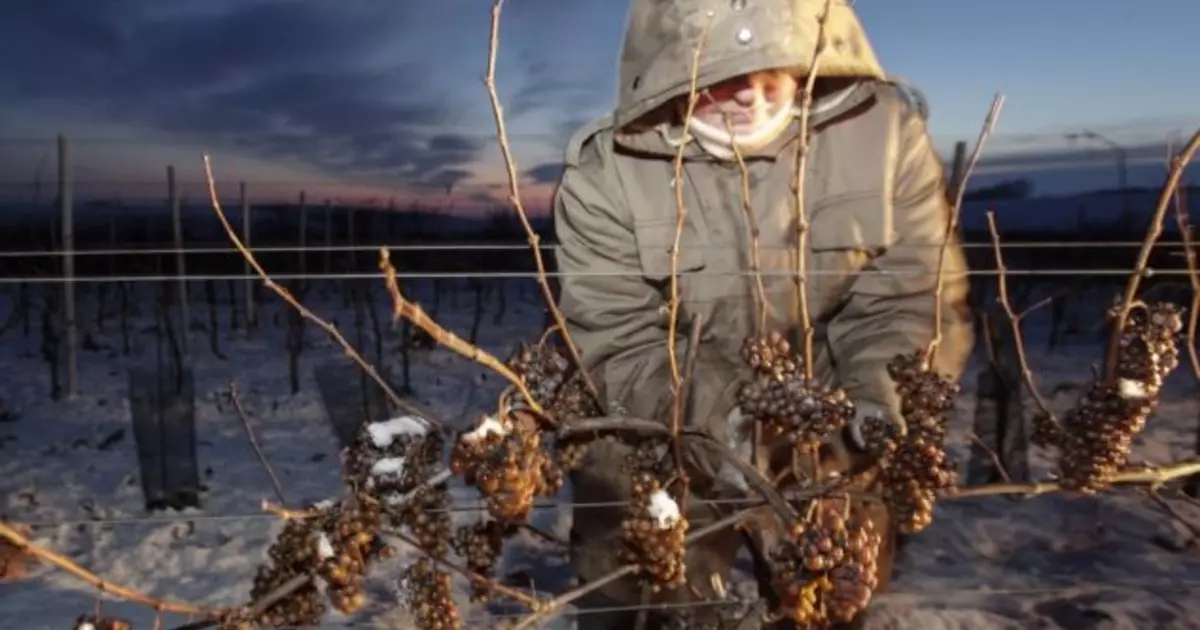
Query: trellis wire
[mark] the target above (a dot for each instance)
(468, 247)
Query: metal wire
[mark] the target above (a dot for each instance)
(939, 595)
(533, 275)
(161, 250)
(462, 507)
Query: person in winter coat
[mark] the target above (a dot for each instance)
(876, 202)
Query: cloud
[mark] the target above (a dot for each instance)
(305, 81)
(545, 173)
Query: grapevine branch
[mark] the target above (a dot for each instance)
(680, 406)
(677, 377)
(693, 98)
(802, 227)
(21, 542)
(241, 413)
(701, 439)
(751, 226)
(761, 303)
(514, 197)
(1189, 254)
(1153, 477)
(989, 126)
(407, 309)
(1178, 165)
(1014, 319)
(549, 608)
(291, 300)
(488, 583)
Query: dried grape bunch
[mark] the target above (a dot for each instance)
(789, 405)
(553, 382)
(429, 596)
(294, 553)
(542, 368)
(654, 534)
(574, 401)
(1047, 432)
(881, 437)
(100, 622)
(480, 545)
(345, 551)
(650, 457)
(508, 465)
(571, 454)
(391, 462)
(827, 569)
(770, 355)
(1098, 433)
(919, 466)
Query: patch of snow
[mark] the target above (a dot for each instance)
(1130, 389)
(387, 466)
(987, 563)
(663, 509)
(324, 547)
(488, 426)
(384, 433)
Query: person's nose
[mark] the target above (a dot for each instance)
(747, 94)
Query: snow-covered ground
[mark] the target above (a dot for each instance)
(70, 469)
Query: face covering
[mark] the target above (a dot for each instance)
(761, 109)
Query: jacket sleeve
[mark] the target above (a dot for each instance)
(890, 309)
(616, 317)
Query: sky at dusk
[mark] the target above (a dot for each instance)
(378, 98)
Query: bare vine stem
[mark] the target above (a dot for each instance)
(693, 98)
(514, 197)
(1178, 166)
(236, 401)
(291, 300)
(798, 183)
(1184, 223)
(404, 308)
(989, 126)
(1014, 320)
(557, 603)
(21, 542)
(760, 288)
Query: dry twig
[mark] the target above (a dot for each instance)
(1189, 253)
(262, 458)
(1178, 166)
(680, 207)
(760, 288)
(291, 300)
(557, 603)
(802, 227)
(407, 309)
(701, 439)
(514, 197)
(989, 125)
(1014, 320)
(20, 541)
(1153, 477)
(487, 583)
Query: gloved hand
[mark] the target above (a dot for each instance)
(739, 438)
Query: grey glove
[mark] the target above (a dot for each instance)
(739, 439)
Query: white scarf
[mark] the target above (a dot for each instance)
(719, 143)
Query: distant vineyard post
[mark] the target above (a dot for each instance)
(66, 200)
(185, 317)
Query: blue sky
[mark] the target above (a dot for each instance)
(369, 98)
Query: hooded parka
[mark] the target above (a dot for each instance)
(875, 199)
